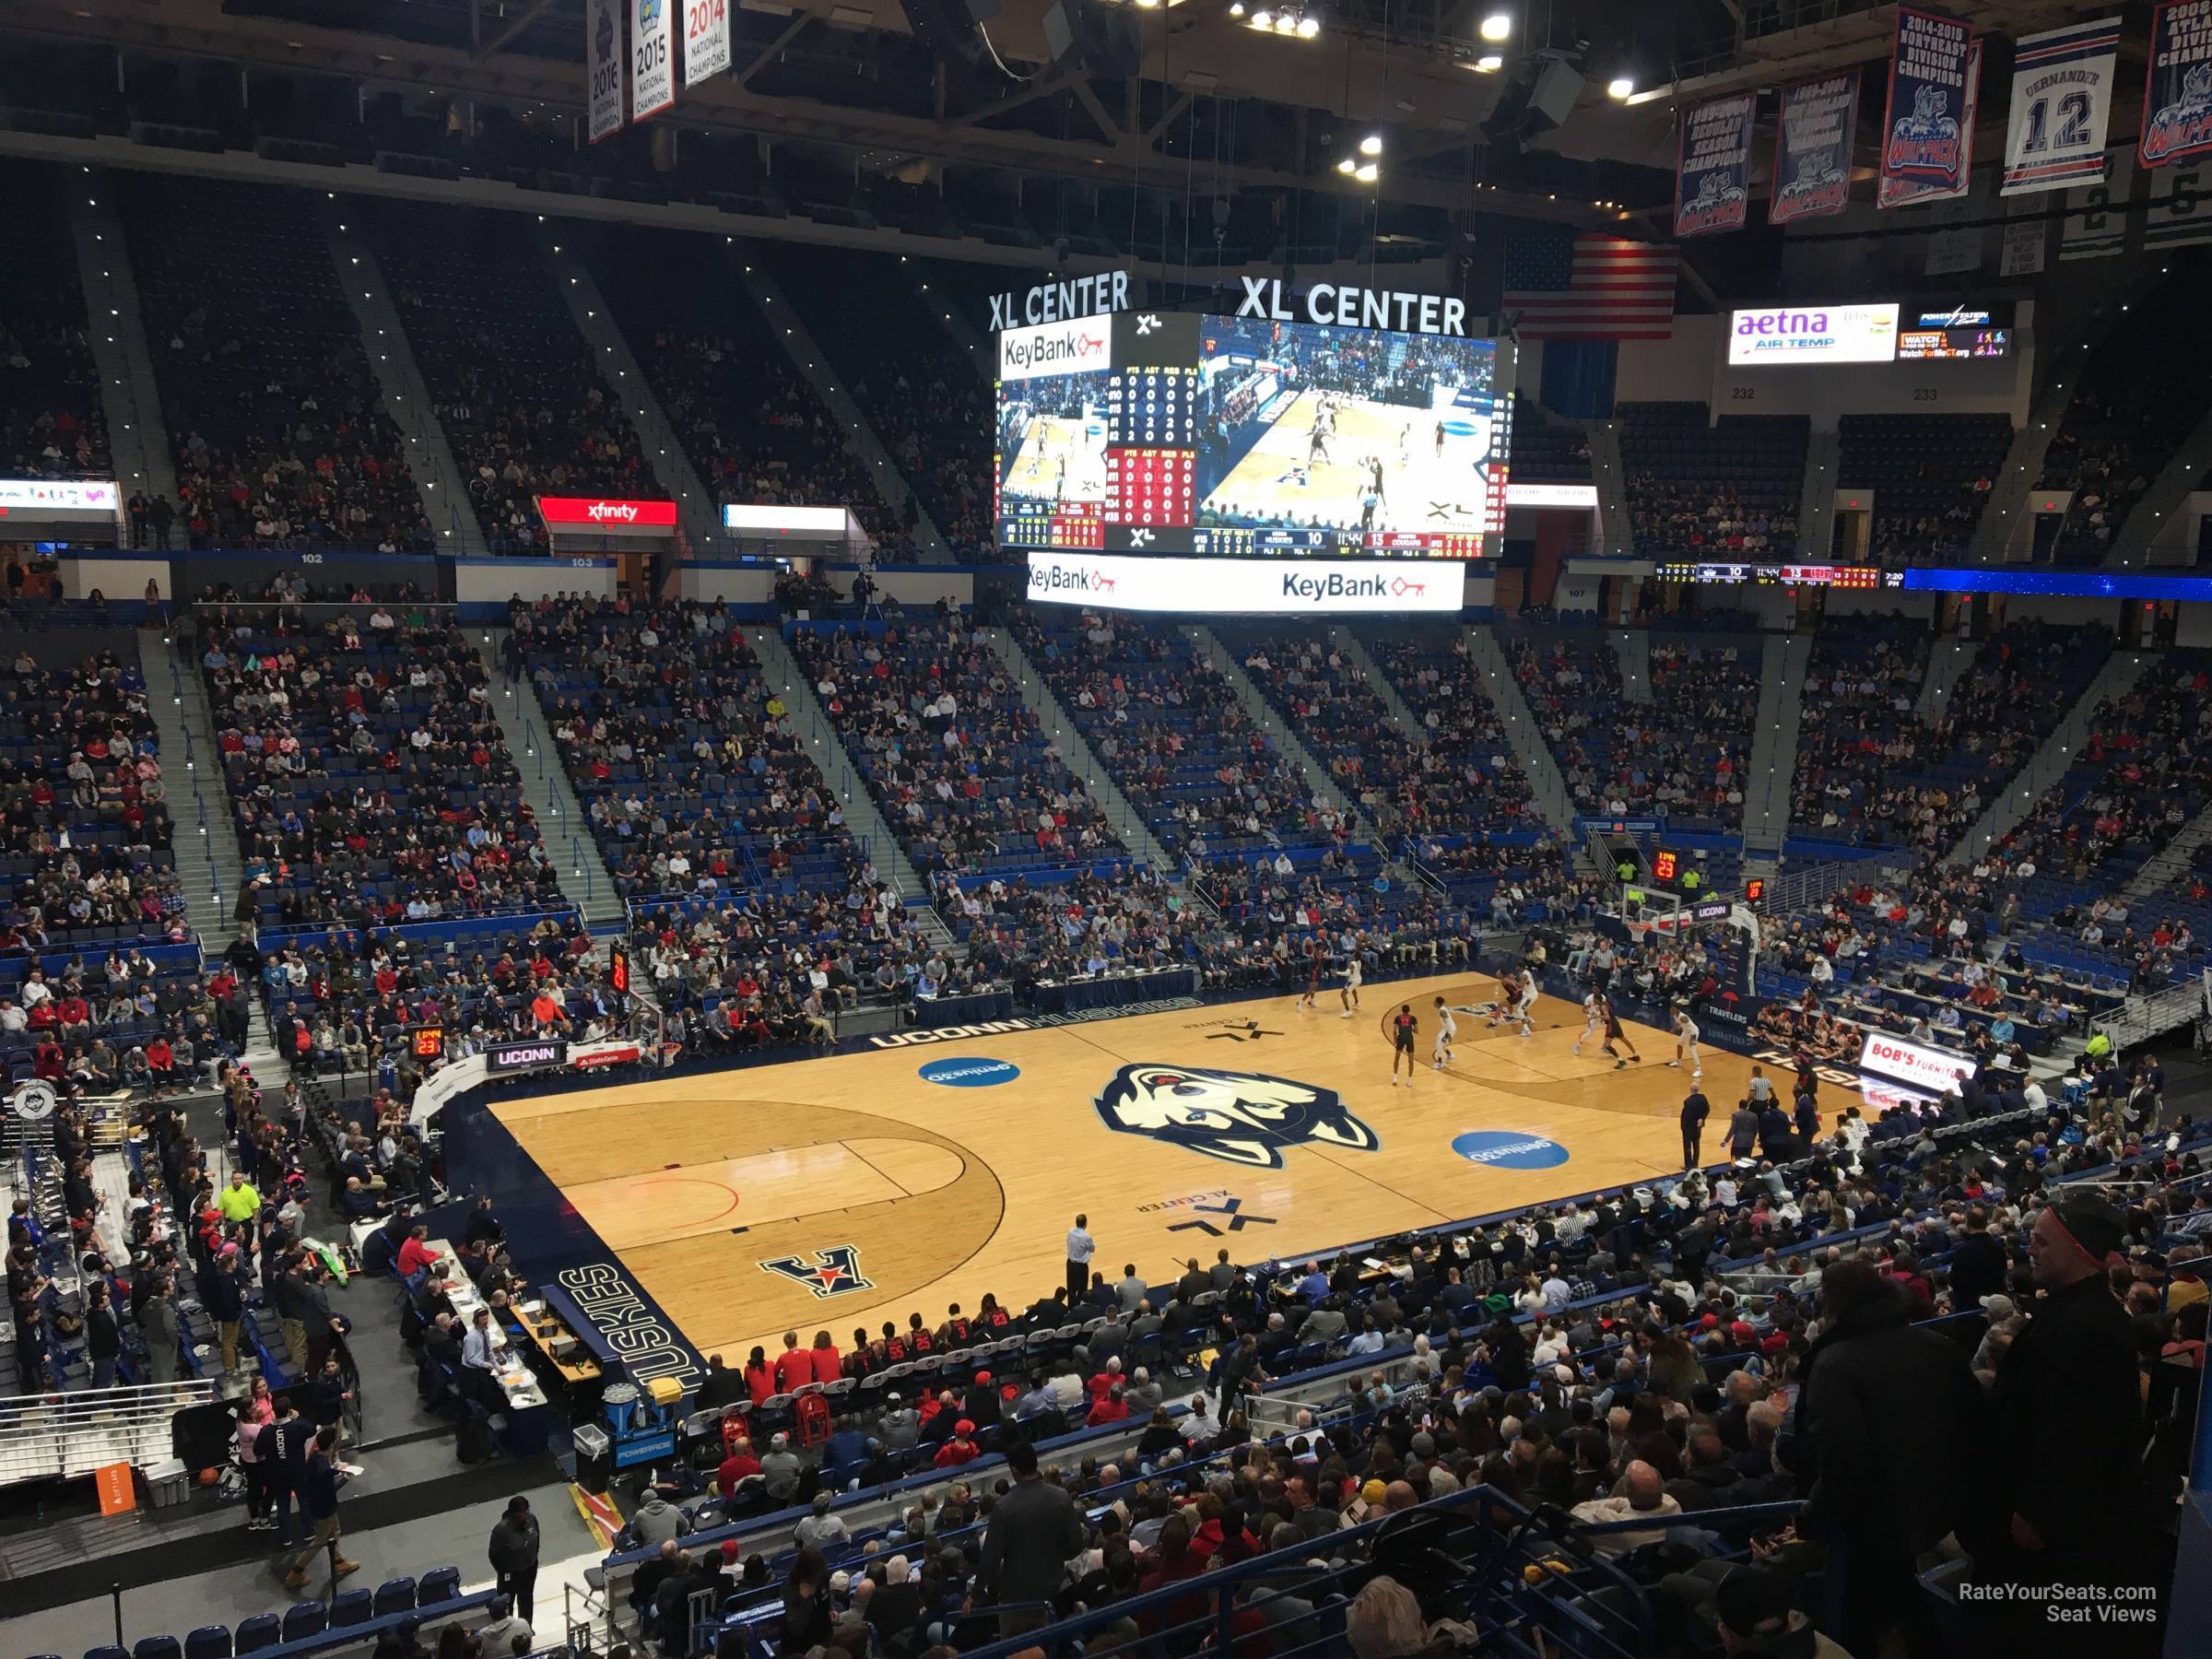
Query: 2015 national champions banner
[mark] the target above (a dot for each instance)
(2177, 89)
(2062, 102)
(1713, 166)
(1928, 125)
(1812, 146)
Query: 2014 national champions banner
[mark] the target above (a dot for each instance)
(1713, 166)
(1812, 146)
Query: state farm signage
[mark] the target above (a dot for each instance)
(606, 515)
(1908, 1062)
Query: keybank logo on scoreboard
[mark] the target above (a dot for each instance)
(1076, 348)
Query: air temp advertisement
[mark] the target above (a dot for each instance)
(1813, 334)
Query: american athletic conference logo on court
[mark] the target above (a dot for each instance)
(1239, 1117)
(34, 1101)
(829, 1272)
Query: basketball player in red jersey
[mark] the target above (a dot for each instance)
(1402, 1028)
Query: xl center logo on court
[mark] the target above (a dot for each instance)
(1240, 1117)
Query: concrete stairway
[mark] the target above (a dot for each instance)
(1948, 663)
(1318, 780)
(2164, 868)
(1774, 742)
(814, 364)
(863, 820)
(696, 511)
(1348, 645)
(210, 865)
(407, 395)
(561, 818)
(2049, 763)
(1522, 735)
(1817, 502)
(128, 396)
(1632, 646)
(1067, 737)
(1615, 532)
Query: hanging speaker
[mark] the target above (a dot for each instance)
(950, 28)
(1097, 39)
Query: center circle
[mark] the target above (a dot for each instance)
(1506, 1149)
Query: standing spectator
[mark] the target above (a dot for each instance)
(103, 1338)
(1034, 1530)
(222, 1293)
(319, 1502)
(806, 1618)
(163, 1332)
(513, 1551)
(281, 1447)
(1081, 1247)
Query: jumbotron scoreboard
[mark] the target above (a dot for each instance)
(1168, 432)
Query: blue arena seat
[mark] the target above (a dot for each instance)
(106, 1653)
(158, 1647)
(209, 1641)
(395, 1596)
(351, 1607)
(308, 1618)
(260, 1630)
(439, 1584)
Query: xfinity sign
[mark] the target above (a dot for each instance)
(606, 515)
(1813, 334)
(1083, 347)
(1253, 587)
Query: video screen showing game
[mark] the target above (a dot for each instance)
(1315, 438)
(1051, 448)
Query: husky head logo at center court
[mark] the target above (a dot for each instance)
(1241, 1117)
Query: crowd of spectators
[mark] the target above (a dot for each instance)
(753, 426)
(1698, 488)
(964, 774)
(52, 422)
(368, 774)
(1929, 476)
(1857, 731)
(1469, 781)
(1177, 740)
(523, 407)
(279, 432)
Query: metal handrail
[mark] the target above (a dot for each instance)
(67, 1434)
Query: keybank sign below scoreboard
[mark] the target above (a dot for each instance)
(1253, 587)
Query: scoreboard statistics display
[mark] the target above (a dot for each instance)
(1168, 432)
(1784, 575)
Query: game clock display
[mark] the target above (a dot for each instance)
(1168, 432)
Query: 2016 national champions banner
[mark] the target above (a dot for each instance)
(2062, 102)
(1713, 166)
(1928, 127)
(602, 67)
(2177, 89)
(1812, 146)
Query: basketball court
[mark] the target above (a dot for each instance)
(1425, 485)
(1062, 458)
(836, 1192)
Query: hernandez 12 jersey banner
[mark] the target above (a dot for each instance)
(603, 60)
(2177, 91)
(1812, 147)
(2062, 102)
(1712, 165)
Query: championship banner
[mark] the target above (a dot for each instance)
(652, 58)
(2062, 101)
(1928, 127)
(1713, 163)
(2026, 238)
(706, 39)
(1812, 147)
(2177, 89)
(2096, 221)
(1955, 241)
(1892, 191)
(603, 68)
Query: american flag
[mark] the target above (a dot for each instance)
(1562, 285)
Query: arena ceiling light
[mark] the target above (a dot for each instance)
(1489, 63)
(1290, 20)
(1620, 86)
(1367, 172)
(1372, 145)
(1498, 26)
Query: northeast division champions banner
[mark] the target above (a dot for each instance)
(2177, 93)
(603, 60)
(652, 58)
(2062, 101)
(1895, 191)
(1927, 128)
(706, 39)
(1812, 146)
(1713, 164)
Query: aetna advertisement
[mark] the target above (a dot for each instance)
(1932, 1069)
(1079, 347)
(1813, 334)
(1257, 587)
(605, 515)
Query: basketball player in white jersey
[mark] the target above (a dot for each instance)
(1594, 1021)
(1685, 1040)
(1446, 1030)
(1524, 1005)
(1350, 996)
